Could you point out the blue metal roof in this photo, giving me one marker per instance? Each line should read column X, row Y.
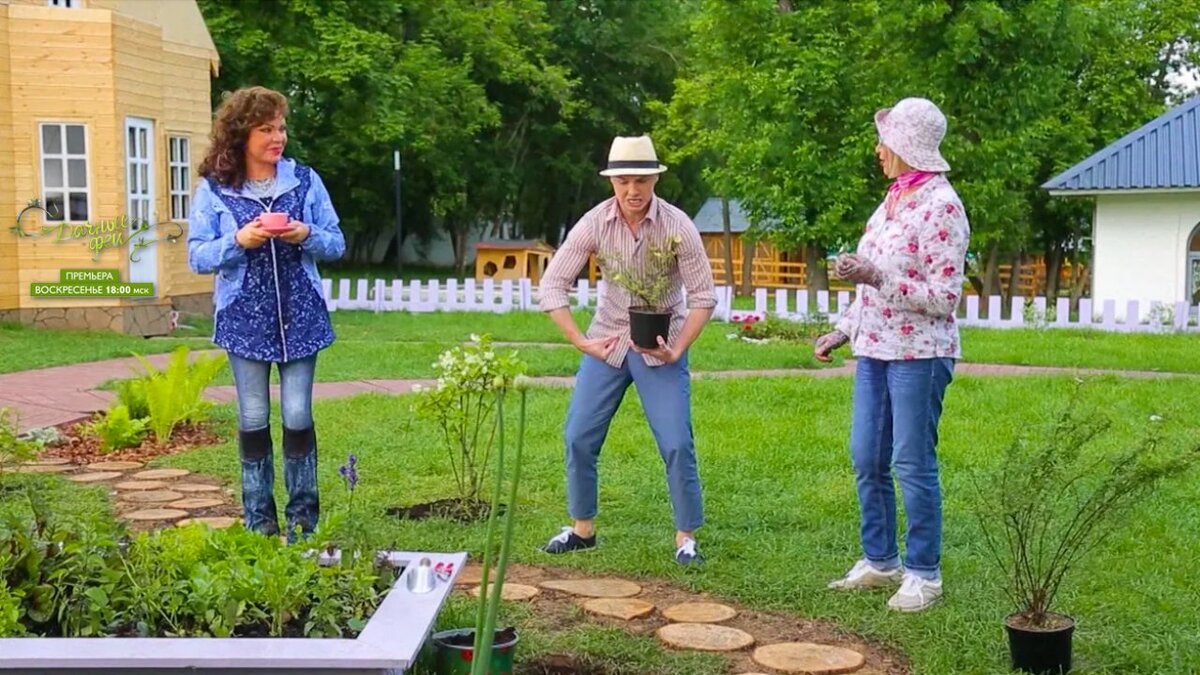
column 1163, row 154
column 708, row 220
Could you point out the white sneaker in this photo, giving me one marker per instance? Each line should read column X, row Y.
column 866, row 575
column 916, row 593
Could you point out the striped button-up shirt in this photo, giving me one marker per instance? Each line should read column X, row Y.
column 603, row 232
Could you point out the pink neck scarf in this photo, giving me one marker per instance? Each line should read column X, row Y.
column 909, row 180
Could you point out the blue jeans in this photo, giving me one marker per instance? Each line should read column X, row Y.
column 665, row 392
column 252, row 380
column 897, row 405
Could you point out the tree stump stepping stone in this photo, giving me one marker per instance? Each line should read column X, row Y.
column 809, row 658
column 152, row 497
column 594, row 588
column 138, row 485
column 699, row 612
column 704, row 637
column 161, row 474
column 94, row 476
column 114, row 466
column 511, row 591
column 48, row 461
column 147, row 515
column 191, row 503
column 625, row 609
column 216, row 522
column 470, row 575
column 195, row 487
column 44, row 468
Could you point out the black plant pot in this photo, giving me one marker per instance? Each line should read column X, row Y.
column 647, row 324
column 1042, row 652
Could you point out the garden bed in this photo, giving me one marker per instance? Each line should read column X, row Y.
column 388, row 644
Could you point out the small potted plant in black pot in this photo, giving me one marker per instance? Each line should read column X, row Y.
column 1047, row 506
column 649, row 280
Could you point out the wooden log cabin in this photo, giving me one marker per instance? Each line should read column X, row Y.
column 105, row 113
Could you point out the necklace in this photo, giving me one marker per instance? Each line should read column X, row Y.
column 262, row 187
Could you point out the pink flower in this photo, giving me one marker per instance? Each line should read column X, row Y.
column 912, row 204
column 906, row 329
column 928, row 214
column 949, row 208
column 903, row 288
column 873, row 337
column 912, row 247
column 928, row 260
column 908, row 356
column 949, row 270
column 912, row 273
column 943, row 234
column 887, row 311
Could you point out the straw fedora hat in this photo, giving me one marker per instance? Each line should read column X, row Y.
column 632, row 156
column 914, row 130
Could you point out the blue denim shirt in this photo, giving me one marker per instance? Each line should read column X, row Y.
column 212, row 227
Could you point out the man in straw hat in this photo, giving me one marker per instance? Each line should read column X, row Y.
column 626, row 227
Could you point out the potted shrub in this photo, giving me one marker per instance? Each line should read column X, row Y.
column 648, row 281
column 456, row 652
column 1047, row 506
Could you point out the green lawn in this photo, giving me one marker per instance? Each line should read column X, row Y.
column 782, row 515
column 401, row 345
column 24, row 348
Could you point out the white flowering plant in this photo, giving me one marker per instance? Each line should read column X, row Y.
column 471, row 380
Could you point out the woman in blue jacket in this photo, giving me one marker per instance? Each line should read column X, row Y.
column 268, row 298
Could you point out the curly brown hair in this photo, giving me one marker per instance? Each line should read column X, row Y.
column 239, row 112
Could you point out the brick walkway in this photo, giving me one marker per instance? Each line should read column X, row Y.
column 62, row 394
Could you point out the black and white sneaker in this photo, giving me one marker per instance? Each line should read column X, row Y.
column 567, row 541
column 687, row 554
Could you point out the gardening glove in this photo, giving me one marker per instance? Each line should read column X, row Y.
column 827, row 343
column 853, row 267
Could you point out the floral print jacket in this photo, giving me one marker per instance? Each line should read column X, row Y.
column 921, row 251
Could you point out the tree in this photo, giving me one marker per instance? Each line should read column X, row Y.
column 369, row 76
column 777, row 94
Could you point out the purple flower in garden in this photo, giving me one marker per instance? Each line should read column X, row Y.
column 349, row 472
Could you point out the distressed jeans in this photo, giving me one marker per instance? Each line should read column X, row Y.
column 252, row 380
column 665, row 392
column 897, row 406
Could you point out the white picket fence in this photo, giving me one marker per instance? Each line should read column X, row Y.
column 1136, row 316
column 468, row 296
column 451, row 295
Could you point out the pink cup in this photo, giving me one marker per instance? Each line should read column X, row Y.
column 274, row 222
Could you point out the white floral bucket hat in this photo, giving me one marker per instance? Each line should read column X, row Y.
column 913, row 129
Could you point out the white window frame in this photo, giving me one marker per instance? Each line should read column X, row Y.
column 179, row 191
column 64, row 156
column 65, row 4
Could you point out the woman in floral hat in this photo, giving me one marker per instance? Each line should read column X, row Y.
column 909, row 275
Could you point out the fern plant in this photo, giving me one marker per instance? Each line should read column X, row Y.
column 132, row 395
column 13, row 448
column 176, row 393
column 118, row 429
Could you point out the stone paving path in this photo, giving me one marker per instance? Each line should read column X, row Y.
column 753, row 643
column 62, row 394
column 150, row 498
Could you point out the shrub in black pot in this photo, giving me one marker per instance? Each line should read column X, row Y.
column 1048, row 504
column 648, row 281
